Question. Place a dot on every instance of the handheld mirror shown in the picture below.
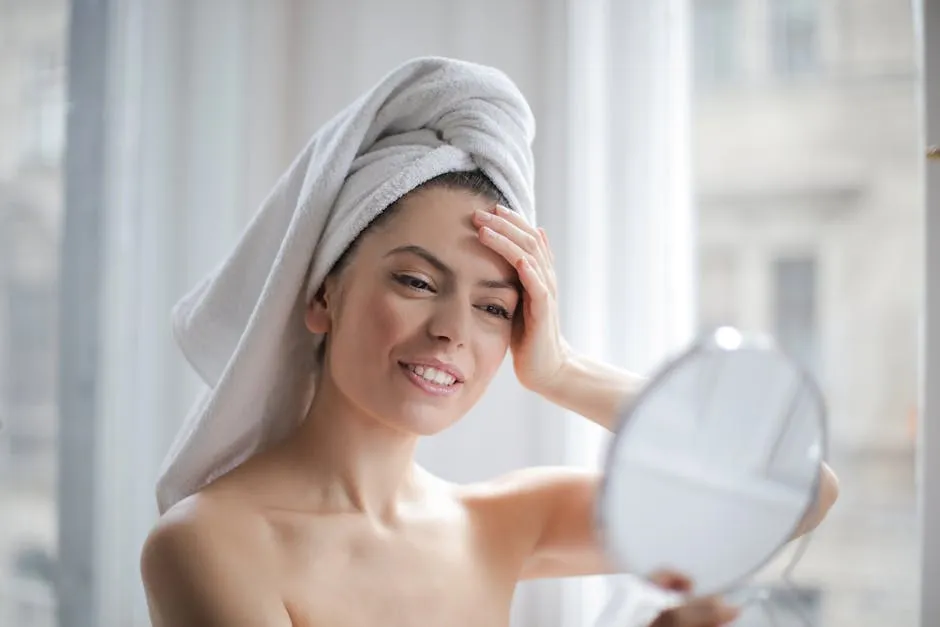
(715, 464)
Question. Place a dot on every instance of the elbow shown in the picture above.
(828, 491)
(826, 497)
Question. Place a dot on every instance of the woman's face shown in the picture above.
(420, 319)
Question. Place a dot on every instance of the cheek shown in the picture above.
(493, 348)
(490, 348)
(381, 320)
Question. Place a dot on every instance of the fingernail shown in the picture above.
(502, 209)
(483, 216)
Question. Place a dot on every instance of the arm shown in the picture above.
(825, 499)
(192, 576)
(594, 389)
(565, 542)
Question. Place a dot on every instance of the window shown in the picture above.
(840, 290)
(794, 36)
(794, 309)
(31, 327)
(32, 88)
(717, 288)
(715, 36)
(45, 106)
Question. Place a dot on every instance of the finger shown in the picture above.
(531, 234)
(526, 237)
(528, 241)
(536, 293)
(671, 581)
(547, 244)
(508, 249)
(515, 218)
(535, 288)
(552, 285)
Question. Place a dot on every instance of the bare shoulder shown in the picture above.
(208, 561)
(204, 524)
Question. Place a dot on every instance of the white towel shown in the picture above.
(242, 329)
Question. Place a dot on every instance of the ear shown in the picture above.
(319, 315)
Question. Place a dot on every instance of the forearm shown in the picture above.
(595, 390)
(598, 391)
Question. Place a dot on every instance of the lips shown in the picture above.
(434, 367)
(432, 375)
(434, 380)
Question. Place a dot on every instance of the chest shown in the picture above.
(445, 575)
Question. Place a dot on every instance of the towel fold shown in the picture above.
(241, 328)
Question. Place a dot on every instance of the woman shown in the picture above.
(335, 524)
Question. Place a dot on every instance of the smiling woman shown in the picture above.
(417, 321)
(314, 511)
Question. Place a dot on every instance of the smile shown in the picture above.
(432, 374)
(430, 379)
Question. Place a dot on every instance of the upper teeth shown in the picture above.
(433, 375)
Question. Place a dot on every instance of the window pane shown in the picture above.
(32, 123)
(794, 309)
(715, 41)
(815, 193)
(794, 36)
(718, 273)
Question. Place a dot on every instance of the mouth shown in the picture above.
(432, 379)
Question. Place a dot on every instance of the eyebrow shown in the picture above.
(442, 267)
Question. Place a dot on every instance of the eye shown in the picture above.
(497, 310)
(413, 282)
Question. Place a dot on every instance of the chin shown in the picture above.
(420, 419)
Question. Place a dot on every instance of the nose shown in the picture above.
(450, 322)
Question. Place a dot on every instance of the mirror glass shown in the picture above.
(715, 464)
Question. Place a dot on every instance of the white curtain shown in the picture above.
(629, 276)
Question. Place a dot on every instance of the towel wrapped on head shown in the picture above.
(242, 328)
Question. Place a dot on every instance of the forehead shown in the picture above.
(440, 220)
(438, 210)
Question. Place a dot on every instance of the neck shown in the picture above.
(353, 461)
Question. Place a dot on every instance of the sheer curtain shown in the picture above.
(628, 279)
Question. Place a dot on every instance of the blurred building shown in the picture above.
(32, 123)
(808, 184)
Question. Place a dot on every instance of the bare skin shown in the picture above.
(337, 526)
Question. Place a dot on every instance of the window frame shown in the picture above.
(80, 287)
(927, 29)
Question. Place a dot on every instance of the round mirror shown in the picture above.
(715, 465)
